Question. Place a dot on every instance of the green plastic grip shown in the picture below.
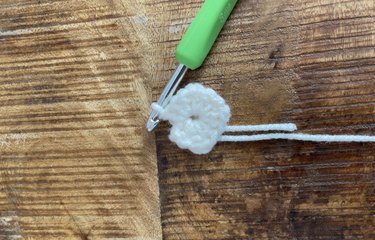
(203, 31)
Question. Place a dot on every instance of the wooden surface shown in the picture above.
(308, 62)
(76, 162)
(75, 159)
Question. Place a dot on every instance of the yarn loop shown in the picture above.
(198, 116)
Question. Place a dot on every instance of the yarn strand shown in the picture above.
(288, 127)
(298, 137)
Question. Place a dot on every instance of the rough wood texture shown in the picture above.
(308, 62)
(75, 159)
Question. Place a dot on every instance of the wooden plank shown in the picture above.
(75, 159)
(308, 62)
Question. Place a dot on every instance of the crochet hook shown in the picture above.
(194, 47)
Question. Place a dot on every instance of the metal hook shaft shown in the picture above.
(166, 95)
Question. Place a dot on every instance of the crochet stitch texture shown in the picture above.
(198, 116)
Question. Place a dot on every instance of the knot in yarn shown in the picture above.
(198, 116)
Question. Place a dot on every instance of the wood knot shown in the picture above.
(275, 56)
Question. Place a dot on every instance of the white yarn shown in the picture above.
(199, 117)
(298, 137)
(288, 127)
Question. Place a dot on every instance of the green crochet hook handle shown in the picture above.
(203, 31)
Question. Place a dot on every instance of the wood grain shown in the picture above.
(308, 62)
(75, 159)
